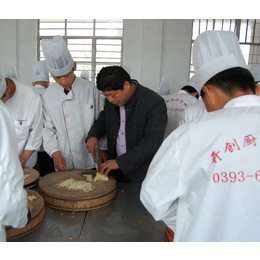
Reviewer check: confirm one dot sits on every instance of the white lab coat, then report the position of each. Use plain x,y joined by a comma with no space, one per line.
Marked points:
26,111
176,103
13,205
67,120
204,180
193,111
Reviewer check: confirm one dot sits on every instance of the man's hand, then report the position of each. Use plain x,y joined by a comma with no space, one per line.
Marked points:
25,157
107,166
102,156
30,205
59,161
92,145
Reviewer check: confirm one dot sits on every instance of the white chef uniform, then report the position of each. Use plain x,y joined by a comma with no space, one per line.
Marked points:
67,120
211,166
176,103
204,180
193,111
26,110
13,206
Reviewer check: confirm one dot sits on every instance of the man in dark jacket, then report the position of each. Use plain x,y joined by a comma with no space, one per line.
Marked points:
134,120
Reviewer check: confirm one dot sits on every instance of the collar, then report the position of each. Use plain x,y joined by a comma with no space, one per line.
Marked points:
244,101
132,98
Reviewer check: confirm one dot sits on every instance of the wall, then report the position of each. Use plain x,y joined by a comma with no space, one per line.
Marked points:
152,48
18,43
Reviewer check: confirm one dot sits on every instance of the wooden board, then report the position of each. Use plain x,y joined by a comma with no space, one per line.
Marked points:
71,200
33,178
37,217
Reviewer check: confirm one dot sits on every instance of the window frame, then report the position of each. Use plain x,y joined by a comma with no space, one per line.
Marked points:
237,31
94,63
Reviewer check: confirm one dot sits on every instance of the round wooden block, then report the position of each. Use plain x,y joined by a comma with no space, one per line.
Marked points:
32,179
37,217
72,200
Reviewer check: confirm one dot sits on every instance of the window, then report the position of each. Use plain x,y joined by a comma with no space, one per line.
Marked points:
247,31
93,43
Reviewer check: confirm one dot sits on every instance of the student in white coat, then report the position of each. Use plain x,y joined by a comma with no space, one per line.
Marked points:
176,103
193,111
40,84
70,107
204,180
14,205
40,77
25,107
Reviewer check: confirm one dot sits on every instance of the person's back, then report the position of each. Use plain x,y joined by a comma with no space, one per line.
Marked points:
13,207
221,196
193,111
203,181
176,103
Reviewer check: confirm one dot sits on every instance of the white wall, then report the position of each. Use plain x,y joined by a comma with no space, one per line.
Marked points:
152,48
18,46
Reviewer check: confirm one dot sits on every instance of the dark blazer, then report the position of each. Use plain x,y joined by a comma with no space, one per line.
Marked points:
146,120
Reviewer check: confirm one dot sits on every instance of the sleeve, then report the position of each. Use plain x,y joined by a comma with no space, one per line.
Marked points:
50,143
35,136
100,106
13,207
183,118
156,121
162,185
98,129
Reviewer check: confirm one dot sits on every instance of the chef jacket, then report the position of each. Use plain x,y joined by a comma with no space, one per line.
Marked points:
13,206
67,120
176,103
193,111
25,107
39,89
204,180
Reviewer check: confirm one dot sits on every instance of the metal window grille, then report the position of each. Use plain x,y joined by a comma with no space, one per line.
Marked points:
93,43
247,31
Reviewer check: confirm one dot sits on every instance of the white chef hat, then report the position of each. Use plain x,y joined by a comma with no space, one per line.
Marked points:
216,51
255,69
2,85
11,73
40,72
85,74
192,82
57,56
164,88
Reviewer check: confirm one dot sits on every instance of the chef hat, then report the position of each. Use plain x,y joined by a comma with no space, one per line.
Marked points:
11,73
255,69
164,88
85,74
57,56
192,82
216,51
2,85
40,72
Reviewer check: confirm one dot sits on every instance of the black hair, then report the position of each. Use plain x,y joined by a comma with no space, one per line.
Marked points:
231,80
112,78
191,90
